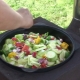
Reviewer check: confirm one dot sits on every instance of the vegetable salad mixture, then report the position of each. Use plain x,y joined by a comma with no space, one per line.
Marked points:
35,50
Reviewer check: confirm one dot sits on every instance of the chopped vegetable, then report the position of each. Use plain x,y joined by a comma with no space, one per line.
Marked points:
51,56
34,67
37,41
64,45
19,37
43,65
25,48
14,39
18,44
34,54
11,55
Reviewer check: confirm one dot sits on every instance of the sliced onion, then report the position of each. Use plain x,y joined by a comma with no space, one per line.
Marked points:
61,40
43,61
18,50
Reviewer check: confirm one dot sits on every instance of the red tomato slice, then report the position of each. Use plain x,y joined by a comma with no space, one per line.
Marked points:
18,44
34,67
43,65
14,39
25,48
27,53
34,54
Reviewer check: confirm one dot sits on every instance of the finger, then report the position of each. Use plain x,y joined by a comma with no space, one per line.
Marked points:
20,10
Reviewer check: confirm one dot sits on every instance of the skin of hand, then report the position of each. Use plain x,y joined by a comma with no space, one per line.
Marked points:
27,17
11,19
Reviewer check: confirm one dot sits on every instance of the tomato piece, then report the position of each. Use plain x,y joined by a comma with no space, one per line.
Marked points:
34,67
34,54
27,53
43,65
14,39
25,48
18,44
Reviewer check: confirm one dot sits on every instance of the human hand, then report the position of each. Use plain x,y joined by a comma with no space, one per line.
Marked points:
27,18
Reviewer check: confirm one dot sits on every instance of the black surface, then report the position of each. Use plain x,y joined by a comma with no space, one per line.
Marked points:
74,27
69,71
2,77
73,74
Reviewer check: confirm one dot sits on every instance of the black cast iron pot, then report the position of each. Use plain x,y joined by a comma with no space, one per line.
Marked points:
57,32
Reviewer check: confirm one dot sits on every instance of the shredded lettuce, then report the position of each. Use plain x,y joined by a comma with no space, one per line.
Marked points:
19,37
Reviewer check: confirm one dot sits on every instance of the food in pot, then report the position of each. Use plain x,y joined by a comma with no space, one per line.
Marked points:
35,50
